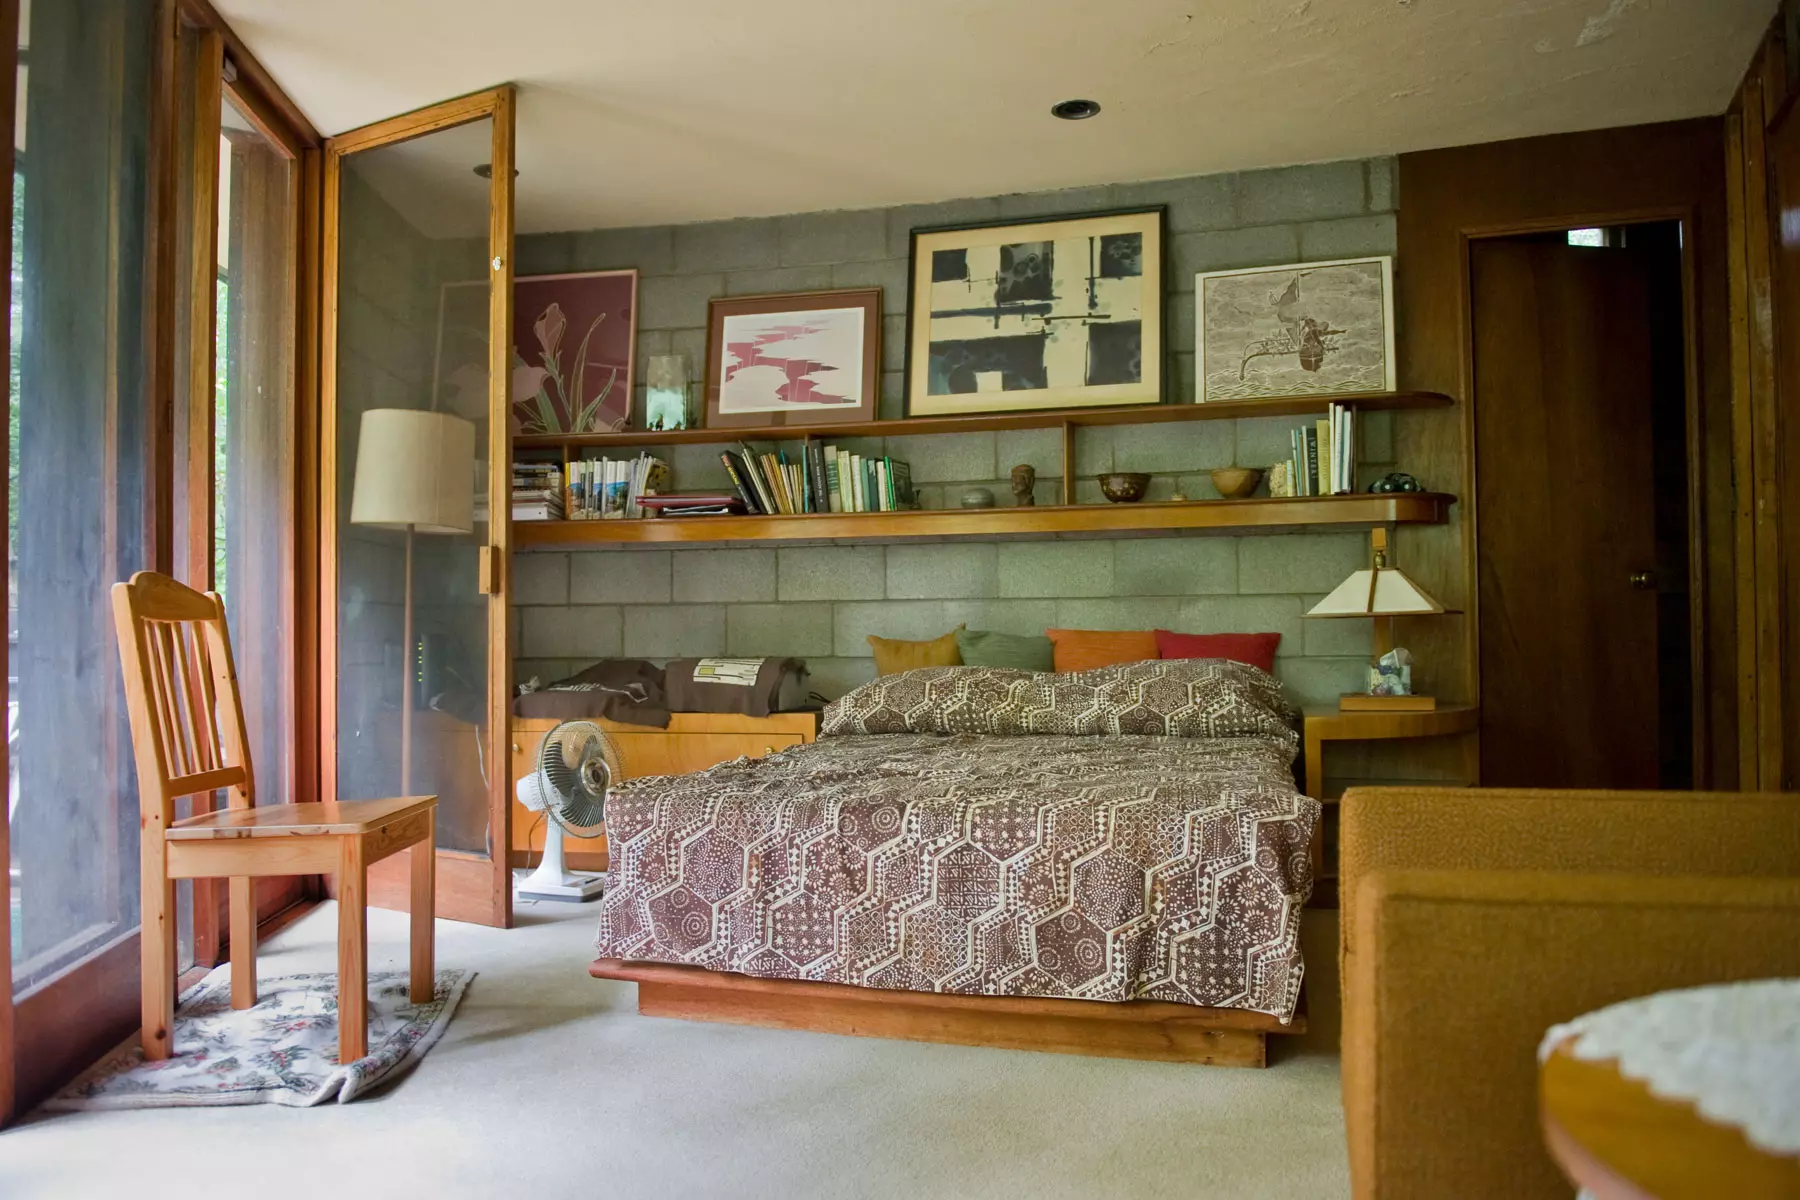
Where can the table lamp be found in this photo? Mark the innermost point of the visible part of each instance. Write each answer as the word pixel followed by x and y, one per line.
pixel 414 471
pixel 1383 592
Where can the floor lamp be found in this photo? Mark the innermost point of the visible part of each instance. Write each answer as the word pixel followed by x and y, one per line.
pixel 414 471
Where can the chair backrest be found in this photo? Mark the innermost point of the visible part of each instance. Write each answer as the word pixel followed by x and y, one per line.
pixel 187 725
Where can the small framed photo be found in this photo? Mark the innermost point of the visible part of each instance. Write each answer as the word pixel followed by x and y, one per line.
pixel 1305 329
pixel 574 344
pixel 1057 312
pixel 799 358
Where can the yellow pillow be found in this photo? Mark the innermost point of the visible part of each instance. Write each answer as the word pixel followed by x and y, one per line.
pixel 893 656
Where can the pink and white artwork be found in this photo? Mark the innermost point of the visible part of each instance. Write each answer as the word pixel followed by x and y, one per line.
pixel 787 361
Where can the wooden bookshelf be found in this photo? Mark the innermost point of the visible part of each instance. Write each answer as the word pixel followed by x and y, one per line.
pixel 1144 414
pixel 1354 510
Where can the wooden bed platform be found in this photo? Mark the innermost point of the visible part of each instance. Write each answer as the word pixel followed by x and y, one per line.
pixel 1147 1029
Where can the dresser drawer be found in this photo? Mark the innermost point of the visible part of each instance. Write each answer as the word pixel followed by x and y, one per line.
pixel 692 742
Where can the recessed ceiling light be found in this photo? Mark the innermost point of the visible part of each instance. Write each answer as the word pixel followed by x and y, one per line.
pixel 1074 110
pixel 486 170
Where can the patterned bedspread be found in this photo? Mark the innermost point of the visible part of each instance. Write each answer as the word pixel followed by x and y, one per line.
pixel 1115 867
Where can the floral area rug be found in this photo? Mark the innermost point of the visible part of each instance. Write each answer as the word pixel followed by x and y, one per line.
pixel 282 1051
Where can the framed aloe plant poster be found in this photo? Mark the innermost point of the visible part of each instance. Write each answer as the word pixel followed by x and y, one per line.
pixel 574 341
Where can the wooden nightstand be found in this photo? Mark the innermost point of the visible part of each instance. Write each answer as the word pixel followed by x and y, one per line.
pixel 1333 725
pixel 1330 725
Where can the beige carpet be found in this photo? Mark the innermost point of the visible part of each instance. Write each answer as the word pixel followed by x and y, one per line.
pixel 548 1083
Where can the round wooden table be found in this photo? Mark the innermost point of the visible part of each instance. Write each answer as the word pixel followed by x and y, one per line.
pixel 1619 1140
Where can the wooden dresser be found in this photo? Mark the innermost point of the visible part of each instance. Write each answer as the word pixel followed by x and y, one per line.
pixel 692 742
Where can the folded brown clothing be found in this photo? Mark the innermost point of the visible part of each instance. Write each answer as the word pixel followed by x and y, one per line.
pixel 629 690
pixel 754 687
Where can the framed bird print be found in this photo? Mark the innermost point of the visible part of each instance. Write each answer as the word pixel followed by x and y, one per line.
pixel 1306 329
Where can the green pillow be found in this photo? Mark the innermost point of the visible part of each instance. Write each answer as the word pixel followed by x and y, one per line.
pixel 983 648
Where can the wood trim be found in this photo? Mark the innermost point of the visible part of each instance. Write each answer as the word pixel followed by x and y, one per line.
pixel 1360 510
pixel 1764 473
pixel 253 77
pixel 405 127
pixel 63 1025
pixel 307 411
pixel 1217 410
pixel 500 322
pixel 196 567
pixel 327 475
pixel 1742 453
pixel 1141 1029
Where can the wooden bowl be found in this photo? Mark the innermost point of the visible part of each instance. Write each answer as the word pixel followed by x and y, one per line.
pixel 1236 483
pixel 1124 487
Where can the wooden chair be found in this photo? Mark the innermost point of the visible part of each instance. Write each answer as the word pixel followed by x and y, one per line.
pixel 187 728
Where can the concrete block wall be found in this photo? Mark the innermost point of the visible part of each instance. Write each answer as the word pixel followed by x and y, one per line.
pixel 821 601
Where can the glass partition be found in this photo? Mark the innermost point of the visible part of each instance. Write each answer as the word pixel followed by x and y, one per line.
pixel 412 630
pixel 79 484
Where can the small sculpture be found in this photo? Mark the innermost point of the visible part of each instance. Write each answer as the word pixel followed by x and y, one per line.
pixel 1024 478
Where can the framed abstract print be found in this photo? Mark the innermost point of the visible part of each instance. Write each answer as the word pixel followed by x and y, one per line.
pixel 574 341
pixel 799 358
pixel 1305 329
pixel 1059 312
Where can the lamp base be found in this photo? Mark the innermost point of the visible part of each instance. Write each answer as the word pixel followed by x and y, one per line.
pixel 1364 702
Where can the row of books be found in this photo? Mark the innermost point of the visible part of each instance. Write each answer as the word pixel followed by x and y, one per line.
pixel 609 488
pixel 1323 462
pixel 820 479
pixel 537 491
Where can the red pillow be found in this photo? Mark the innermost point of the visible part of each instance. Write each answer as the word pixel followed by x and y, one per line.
pixel 1257 649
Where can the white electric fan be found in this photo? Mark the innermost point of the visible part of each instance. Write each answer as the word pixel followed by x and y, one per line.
pixel 576 766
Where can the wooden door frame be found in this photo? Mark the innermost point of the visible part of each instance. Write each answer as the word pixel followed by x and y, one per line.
pixel 480 881
pixel 1685 215
pixel 1668 171
pixel 226 70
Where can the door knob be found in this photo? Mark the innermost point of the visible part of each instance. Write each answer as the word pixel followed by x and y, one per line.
pixel 1643 581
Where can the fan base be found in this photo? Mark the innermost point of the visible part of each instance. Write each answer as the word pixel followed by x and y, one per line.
pixel 574 886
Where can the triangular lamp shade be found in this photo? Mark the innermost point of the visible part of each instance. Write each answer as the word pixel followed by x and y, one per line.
pixel 1377 592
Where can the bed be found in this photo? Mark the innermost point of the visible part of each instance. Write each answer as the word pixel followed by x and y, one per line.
pixel 1111 861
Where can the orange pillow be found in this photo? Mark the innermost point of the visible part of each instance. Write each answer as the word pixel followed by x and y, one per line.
pixel 893 656
pixel 1085 649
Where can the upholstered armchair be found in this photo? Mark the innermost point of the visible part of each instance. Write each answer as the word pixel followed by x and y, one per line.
pixel 1474 919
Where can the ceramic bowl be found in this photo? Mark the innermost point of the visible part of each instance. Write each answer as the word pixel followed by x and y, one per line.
pixel 1235 483
pixel 1123 487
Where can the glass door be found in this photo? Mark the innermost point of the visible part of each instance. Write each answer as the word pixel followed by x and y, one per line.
pixel 418 296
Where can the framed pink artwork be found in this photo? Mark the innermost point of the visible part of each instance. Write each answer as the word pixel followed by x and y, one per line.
pixel 574 345
pixel 801 358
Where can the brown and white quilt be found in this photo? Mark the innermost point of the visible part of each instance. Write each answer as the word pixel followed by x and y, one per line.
pixel 1126 833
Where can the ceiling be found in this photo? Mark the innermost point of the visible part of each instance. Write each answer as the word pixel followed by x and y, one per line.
pixel 636 113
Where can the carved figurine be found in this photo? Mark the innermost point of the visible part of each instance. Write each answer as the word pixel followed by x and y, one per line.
pixel 1024 478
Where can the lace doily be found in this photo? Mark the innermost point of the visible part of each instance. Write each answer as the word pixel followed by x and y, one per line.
pixel 1732 1051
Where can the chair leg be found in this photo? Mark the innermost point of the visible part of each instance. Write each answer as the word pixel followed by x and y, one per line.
pixel 423 976
pixel 156 948
pixel 353 950
pixel 243 941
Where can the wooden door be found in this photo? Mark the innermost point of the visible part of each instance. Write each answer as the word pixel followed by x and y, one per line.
pixel 1564 483
pixel 417 288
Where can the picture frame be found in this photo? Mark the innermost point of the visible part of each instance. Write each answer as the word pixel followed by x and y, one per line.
pixel 793 358
pixel 1297 329
pixel 1039 313
pixel 574 351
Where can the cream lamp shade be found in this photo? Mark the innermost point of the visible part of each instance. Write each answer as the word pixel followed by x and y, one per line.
pixel 1377 590
pixel 415 468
